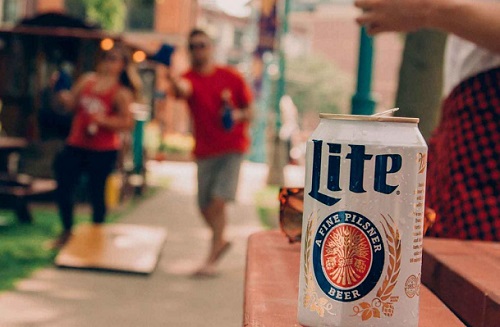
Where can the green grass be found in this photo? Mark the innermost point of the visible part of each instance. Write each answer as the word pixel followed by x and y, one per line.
pixel 23 247
pixel 268 206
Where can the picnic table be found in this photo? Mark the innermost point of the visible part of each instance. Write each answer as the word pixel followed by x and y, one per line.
pixel 465 275
pixel 271 286
pixel 17 189
pixel 9 145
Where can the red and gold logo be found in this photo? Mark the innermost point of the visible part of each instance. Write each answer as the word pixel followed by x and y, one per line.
pixel 347 256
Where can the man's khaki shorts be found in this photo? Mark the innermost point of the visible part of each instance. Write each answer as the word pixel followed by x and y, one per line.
pixel 218 178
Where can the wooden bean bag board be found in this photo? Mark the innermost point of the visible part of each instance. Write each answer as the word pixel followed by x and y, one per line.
pixel 113 247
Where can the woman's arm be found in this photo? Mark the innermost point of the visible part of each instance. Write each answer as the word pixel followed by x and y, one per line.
pixel 477 21
pixel 68 98
pixel 123 120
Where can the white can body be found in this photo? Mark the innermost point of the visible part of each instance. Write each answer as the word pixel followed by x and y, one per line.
pixel 363 222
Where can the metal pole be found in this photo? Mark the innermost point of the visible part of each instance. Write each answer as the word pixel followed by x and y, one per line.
pixel 138 146
pixel 259 125
pixel 142 114
pixel 281 88
pixel 279 155
pixel 258 151
pixel 363 102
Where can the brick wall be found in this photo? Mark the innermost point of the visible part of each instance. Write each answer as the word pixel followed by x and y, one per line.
pixel 175 16
pixel 50 5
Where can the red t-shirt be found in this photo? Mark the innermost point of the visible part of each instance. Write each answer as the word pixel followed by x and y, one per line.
pixel 205 105
pixel 91 103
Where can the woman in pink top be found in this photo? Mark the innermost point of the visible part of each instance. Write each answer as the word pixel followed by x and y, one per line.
pixel 101 101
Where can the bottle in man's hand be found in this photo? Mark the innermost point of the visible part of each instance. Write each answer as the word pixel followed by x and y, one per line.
pixel 92 129
pixel 227 116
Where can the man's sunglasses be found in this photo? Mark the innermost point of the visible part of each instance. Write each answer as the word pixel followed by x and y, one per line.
pixel 110 57
pixel 292 208
pixel 197 46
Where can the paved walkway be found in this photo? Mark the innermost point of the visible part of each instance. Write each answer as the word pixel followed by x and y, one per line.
pixel 168 297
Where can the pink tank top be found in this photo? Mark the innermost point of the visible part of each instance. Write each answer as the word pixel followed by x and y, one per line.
pixel 85 134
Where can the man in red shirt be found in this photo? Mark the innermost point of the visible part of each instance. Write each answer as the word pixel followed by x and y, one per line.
pixel 220 104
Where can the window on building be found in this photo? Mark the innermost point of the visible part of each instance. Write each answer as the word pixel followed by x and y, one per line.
pixel 140 15
pixel 75 8
pixel 12 11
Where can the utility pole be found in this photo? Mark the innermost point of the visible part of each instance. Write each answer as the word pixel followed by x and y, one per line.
pixel 281 90
pixel 363 102
pixel 278 155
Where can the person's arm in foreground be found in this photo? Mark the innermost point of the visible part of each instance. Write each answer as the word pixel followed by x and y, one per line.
pixel 475 21
pixel 123 120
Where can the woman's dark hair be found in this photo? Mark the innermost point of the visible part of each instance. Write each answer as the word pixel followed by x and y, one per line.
pixel 198 31
pixel 129 77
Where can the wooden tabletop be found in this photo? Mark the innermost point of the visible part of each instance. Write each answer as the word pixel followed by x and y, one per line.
pixel 465 275
pixel 12 143
pixel 271 286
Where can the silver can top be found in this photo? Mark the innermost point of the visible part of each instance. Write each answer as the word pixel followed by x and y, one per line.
pixel 370 118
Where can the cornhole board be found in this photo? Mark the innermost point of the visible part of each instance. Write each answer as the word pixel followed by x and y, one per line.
pixel 113 247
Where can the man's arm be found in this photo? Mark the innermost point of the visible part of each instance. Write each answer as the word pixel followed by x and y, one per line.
pixel 181 87
pixel 245 114
pixel 245 111
pixel 475 21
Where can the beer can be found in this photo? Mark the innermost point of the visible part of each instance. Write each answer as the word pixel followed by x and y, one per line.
pixel 363 222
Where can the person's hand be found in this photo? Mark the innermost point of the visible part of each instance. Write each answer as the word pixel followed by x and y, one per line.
pixel 393 15
pixel 99 119
pixel 66 98
pixel 233 116
pixel 239 115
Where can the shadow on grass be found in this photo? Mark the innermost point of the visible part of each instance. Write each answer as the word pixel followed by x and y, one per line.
pixel 24 247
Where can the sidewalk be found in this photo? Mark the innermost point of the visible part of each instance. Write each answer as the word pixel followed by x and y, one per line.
pixel 169 296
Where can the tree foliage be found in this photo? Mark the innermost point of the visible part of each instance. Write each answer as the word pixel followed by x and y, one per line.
pixel 109 14
pixel 316 85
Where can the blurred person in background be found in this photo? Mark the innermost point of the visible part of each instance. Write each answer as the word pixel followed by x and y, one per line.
pixel 101 103
pixel 220 104
pixel 54 120
pixel 463 177
pixel 290 130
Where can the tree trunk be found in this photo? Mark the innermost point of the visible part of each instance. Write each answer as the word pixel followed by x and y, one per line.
pixel 421 78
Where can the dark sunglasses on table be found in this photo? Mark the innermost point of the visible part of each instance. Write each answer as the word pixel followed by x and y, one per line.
pixel 292 207
pixel 197 46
